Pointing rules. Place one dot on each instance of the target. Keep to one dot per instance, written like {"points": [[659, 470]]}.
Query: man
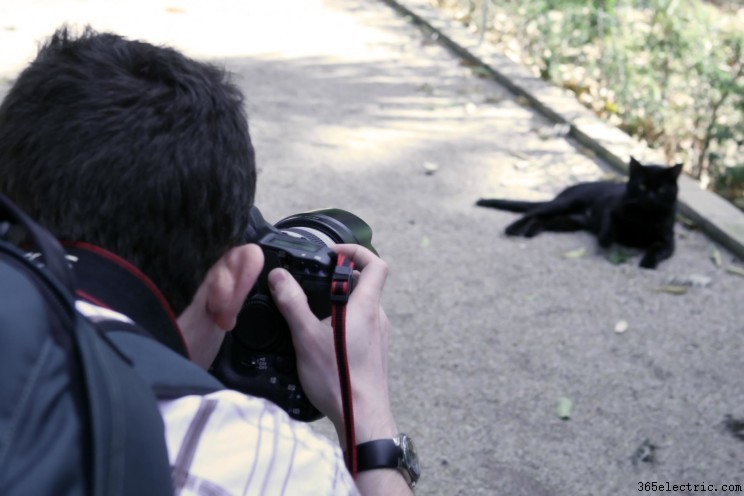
{"points": [[140, 160]]}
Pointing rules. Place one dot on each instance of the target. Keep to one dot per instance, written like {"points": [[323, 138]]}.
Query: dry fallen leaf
{"points": [[735, 426], [587, 152], [426, 88], [554, 131], [565, 405], [694, 280], [687, 222], [621, 326], [645, 453], [733, 269], [618, 257], [480, 72], [715, 256], [519, 155], [430, 168], [469, 63], [672, 289], [577, 253]]}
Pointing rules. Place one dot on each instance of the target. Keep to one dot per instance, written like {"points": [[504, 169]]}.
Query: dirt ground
{"points": [[494, 339]]}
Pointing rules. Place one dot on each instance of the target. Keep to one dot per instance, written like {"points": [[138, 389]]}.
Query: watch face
{"points": [[410, 456]]}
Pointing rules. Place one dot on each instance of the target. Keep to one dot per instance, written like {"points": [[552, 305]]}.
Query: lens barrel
{"points": [[257, 357], [334, 224]]}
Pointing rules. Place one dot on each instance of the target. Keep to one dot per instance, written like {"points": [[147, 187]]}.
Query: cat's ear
{"points": [[676, 170], [635, 166]]}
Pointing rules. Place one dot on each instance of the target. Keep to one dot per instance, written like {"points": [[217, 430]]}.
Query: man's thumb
{"points": [[290, 299]]}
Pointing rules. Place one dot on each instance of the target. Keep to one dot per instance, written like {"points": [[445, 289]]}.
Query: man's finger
{"points": [[373, 269], [290, 299], [359, 254]]}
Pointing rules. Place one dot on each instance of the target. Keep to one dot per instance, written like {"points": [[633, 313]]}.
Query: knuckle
{"points": [[384, 268], [291, 295]]}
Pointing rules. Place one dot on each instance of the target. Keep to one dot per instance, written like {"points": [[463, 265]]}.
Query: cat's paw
{"points": [[515, 228], [532, 231], [526, 226], [648, 262], [605, 240]]}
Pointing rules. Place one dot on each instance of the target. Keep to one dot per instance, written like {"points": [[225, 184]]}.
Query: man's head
{"points": [[134, 148]]}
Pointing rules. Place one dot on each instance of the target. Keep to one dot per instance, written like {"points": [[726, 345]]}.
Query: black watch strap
{"points": [[397, 453], [381, 453]]}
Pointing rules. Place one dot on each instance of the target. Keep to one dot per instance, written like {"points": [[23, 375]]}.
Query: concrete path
{"points": [[351, 105]]}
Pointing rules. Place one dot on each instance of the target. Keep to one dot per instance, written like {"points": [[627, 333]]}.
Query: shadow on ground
{"points": [[489, 333]]}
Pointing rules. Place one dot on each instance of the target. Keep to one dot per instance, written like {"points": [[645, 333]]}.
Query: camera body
{"points": [[257, 357]]}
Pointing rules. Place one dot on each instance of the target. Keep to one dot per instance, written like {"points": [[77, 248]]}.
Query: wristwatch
{"points": [[398, 453]]}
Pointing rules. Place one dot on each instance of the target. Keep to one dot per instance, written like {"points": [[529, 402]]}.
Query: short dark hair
{"points": [[134, 148]]}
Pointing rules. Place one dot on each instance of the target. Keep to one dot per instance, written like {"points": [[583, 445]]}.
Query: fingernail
{"points": [[277, 277]]}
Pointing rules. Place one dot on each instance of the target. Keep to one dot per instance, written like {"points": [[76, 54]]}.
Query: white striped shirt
{"points": [[227, 443]]}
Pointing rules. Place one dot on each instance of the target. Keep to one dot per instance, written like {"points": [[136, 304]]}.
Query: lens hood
{"points": [[339, 225]]}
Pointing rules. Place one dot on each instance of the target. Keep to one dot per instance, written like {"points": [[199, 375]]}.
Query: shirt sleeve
{"points": [[227, 443]]}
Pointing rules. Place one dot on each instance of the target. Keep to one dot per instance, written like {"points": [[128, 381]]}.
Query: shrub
{"points": [[669, 72]]}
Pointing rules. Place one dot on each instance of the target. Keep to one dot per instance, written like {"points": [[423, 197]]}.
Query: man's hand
{"points": [[367, 331]]}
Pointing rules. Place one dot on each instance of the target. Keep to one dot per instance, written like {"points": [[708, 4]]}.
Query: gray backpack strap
{"points": [[75, 418], [168, 374]]}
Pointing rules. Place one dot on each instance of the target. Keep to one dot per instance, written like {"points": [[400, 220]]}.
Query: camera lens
{"points": [[328, 227], [257, 357]]}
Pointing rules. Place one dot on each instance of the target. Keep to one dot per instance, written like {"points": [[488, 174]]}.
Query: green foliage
{"points": [[670, 72]]}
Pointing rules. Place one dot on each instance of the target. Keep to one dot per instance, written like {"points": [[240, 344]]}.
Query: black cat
{"points": [[639, 213]]}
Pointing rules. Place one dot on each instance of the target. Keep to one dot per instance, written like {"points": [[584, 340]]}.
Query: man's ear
{"points": [[229, 281]]}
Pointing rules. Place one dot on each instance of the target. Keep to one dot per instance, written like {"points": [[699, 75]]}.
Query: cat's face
{"points": [[653, 186]]}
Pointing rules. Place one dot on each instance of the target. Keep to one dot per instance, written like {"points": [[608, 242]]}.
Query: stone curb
{"points": [[716, 217]]}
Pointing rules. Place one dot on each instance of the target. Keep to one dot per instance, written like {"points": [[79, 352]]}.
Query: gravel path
{"points": [[353, 106]]}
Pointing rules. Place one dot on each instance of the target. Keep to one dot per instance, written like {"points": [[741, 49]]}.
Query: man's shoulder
{"points": [[228, 409], [236, 441]]}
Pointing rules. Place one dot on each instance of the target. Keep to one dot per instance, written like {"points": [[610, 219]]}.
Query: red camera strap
{"points": [[340, 291]]}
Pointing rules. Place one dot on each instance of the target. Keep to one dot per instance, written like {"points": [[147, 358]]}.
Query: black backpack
{"points": [[78, 405]]}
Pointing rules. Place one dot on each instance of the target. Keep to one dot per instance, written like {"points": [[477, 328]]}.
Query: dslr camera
{"points": [[257, 357]]}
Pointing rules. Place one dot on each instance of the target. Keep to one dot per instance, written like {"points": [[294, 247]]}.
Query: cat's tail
{"points": [[510, 205]]}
